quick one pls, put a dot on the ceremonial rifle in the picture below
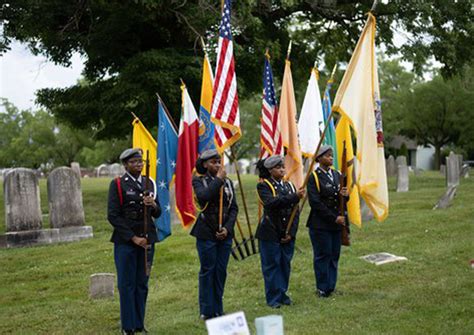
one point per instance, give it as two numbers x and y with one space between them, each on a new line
342 199
145 211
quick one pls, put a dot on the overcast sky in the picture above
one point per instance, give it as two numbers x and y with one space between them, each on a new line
22 74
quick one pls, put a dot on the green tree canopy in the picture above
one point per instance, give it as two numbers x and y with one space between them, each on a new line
133 49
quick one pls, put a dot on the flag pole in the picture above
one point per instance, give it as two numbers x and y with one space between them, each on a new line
333 71
167 111
289 50
372 9
244 202
308 173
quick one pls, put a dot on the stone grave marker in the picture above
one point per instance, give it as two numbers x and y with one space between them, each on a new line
366 213
402 178
382 258
452 170
116 170
460 161
465 171
103 170
391 166
401 160
65 198
447 198
101 285
76 167
22 200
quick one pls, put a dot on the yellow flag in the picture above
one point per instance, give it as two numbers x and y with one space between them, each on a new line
343 136
358 99
142 139
289 130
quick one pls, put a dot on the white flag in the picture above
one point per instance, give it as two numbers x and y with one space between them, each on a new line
311 121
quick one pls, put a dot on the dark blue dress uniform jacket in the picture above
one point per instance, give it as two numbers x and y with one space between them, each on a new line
127 219
277 210
325 202
206 189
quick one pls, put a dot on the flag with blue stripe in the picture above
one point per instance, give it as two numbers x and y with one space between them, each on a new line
330 137
165 166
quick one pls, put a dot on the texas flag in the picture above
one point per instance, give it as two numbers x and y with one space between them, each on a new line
186 160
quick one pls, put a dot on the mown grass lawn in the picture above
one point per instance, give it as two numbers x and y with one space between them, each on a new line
44 290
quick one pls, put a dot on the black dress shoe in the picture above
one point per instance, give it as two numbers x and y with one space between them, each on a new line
128 332
141 330
323 294
205 317
287 302
277 305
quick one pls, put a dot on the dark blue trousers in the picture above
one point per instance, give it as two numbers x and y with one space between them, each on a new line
326 252
132 283
214 257
276 258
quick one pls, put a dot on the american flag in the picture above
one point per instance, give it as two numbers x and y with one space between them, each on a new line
270 138
225 101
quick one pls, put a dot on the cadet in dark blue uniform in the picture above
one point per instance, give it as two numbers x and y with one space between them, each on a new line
276 249
324 222
213 246
125 213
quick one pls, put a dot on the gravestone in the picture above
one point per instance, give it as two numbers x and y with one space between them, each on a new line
23 213
116 170
401 160
253 167
452 170
391 166
76 168
103 170
460 161
402 178
465 171
230 168
22 200
442 169
382 258
447 198
269 325
65 198
101 285
366 213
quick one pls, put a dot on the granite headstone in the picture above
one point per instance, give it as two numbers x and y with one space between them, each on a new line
22 200
452 169
65 198
402 178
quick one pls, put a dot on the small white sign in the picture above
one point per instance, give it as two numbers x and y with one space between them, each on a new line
231 324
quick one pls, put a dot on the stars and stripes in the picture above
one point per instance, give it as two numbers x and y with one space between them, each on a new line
225 101
270 137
